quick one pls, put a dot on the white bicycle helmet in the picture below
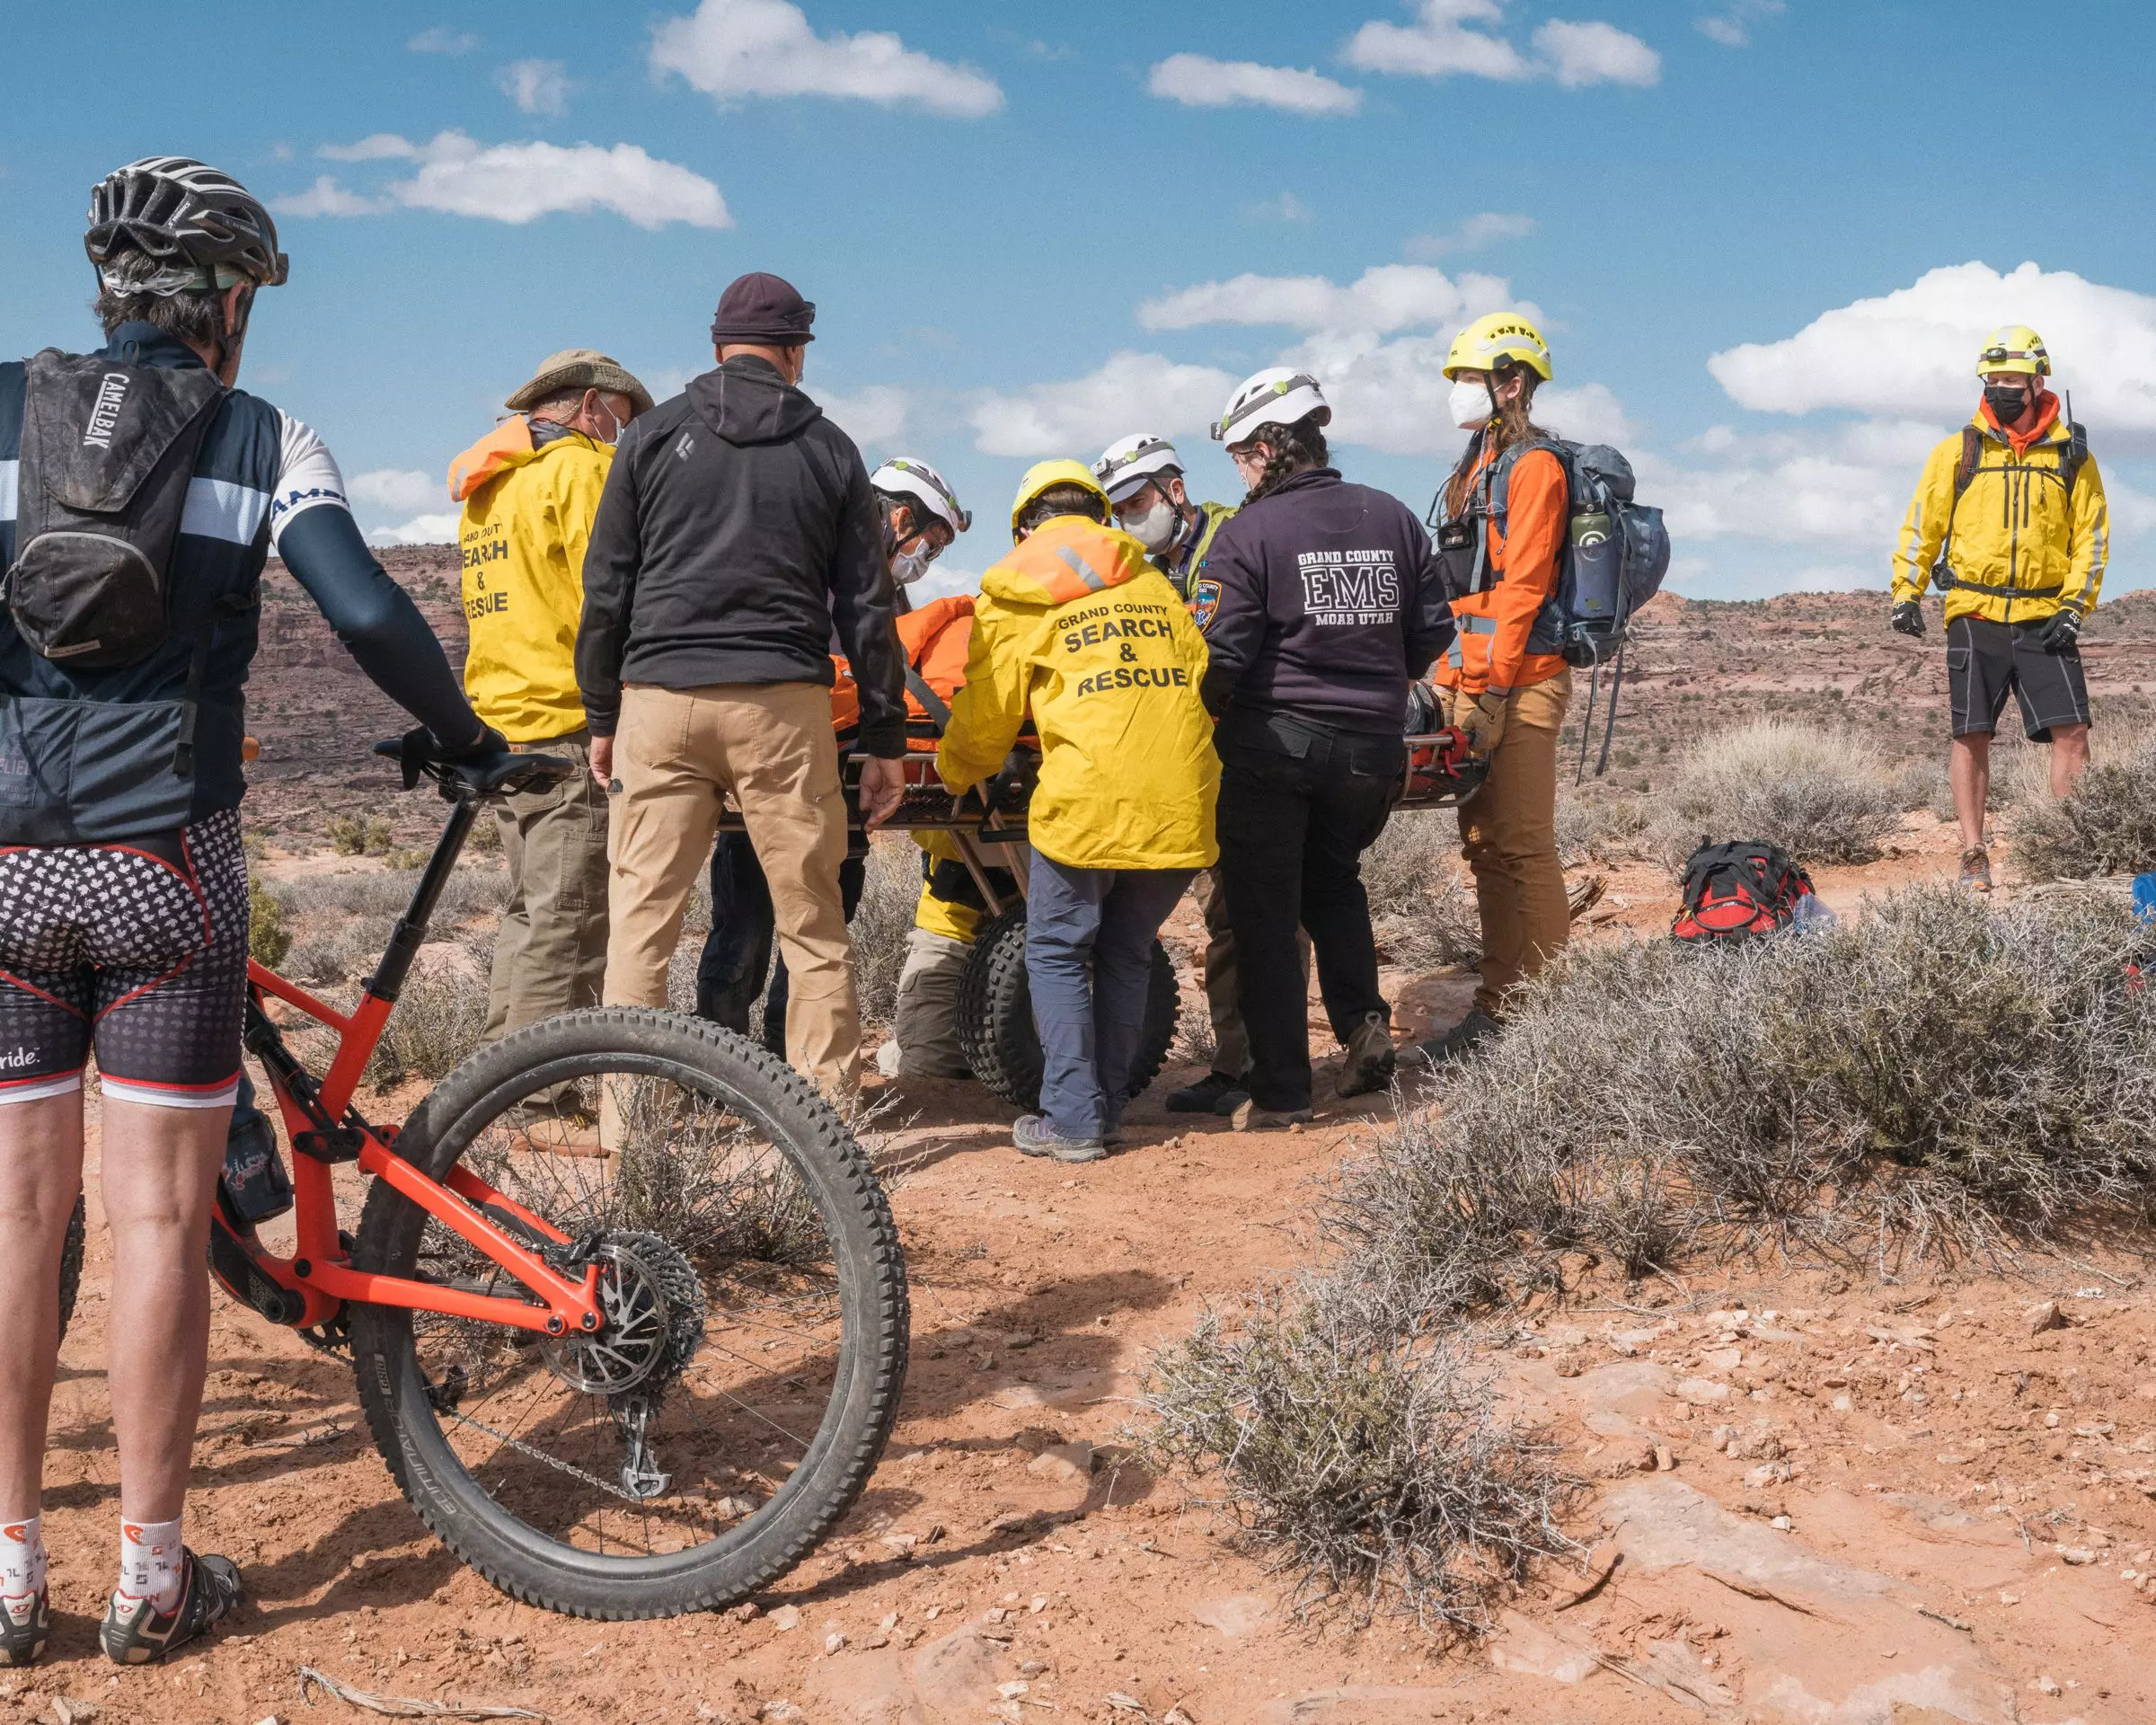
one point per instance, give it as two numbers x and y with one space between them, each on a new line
204 226
1127 463
903 476
1278 395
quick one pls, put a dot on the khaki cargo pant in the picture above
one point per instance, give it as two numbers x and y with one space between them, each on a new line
550 955
770 745
925 1028
1230 1043
1508 835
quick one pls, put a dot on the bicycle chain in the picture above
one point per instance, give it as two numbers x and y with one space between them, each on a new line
523 1448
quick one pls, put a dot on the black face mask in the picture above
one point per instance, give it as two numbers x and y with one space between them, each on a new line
2007 402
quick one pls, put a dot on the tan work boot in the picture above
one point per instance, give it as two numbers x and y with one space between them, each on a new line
1251 1118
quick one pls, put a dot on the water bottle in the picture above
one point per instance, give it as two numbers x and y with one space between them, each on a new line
1813 915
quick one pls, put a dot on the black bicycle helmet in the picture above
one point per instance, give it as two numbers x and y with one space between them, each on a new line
183 213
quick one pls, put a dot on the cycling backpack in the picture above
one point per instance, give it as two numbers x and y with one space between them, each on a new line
1737 891
108 452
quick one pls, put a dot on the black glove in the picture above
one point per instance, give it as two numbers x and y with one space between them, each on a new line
2062 634
1908 617
490 743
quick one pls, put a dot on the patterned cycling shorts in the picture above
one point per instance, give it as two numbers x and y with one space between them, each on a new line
139 947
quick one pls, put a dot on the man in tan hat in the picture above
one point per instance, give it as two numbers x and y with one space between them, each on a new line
529 490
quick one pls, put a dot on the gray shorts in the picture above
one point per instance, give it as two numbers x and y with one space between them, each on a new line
1987 660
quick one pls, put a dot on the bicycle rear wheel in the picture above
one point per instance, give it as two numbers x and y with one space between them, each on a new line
735 1403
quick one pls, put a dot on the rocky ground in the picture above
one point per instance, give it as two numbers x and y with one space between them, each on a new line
1830 1498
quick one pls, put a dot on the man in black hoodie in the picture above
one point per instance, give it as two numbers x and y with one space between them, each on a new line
736 535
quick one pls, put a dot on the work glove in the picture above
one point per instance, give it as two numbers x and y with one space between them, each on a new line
2062 634
1483 720
1908 618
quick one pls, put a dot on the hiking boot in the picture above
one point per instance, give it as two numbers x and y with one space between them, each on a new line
135 1631
1214 1093
1371 1057
1975 871
1251 1118
1034 1137
1477 1026
23 1620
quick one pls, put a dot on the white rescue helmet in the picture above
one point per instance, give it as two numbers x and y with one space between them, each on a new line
1128 463
904 476
1278 395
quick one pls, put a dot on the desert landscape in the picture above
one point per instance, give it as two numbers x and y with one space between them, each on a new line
1814 1477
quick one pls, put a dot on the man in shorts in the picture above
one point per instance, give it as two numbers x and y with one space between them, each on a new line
2008 522
123 888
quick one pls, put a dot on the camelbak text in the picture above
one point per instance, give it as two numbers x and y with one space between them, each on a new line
104 413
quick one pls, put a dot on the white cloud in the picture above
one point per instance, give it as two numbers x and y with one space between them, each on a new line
520 183
1477 232
326 196
1079 415
1912 352
1388 297
420 530
395 489
731 48
442 40
874 417
1198 81
1732 27
1285 208
536 86
1597 53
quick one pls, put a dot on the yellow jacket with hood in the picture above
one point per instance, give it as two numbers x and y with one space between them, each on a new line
1076 629
527 513
2017 545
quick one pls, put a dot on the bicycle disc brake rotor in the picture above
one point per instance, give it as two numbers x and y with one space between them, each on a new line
648 1295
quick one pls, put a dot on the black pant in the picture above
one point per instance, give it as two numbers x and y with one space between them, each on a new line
1299 804
737 951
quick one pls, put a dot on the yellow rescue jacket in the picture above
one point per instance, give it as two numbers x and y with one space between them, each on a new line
1076 628
2012 545
527 520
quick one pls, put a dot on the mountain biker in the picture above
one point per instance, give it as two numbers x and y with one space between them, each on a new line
528 491
2010 520
1330 607
1142 475
1504 682
123 888
1077 629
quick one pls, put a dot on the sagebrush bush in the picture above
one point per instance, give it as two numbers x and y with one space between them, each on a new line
269 932
881 925
1375 1465
1421 913
1596 828
439 1018
1824 794
2108 825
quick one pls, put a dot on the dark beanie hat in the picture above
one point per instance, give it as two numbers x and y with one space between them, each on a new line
764 310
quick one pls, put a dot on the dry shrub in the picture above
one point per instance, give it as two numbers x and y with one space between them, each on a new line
1375 1465
1596 828
888 894
438 1019
1195 1044
1825 795
269 929
2107 826
1938 1078
1421 914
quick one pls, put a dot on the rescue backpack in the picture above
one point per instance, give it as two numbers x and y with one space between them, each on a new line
1615 557
1738 890
108 452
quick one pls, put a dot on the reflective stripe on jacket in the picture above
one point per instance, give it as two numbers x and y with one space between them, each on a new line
1499 646
2016 546
1077 629
527 515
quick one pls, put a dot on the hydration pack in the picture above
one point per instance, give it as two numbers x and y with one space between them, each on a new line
108 452
1615 555
1737 891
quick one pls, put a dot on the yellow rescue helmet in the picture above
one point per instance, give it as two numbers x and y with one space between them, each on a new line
1042 475
1500 338
2014 347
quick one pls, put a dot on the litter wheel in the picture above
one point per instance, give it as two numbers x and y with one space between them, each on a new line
995 1014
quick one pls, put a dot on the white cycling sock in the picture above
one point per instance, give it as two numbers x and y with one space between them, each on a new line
22 1557
150 1563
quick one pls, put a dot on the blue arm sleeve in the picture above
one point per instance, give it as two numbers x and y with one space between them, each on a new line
377 623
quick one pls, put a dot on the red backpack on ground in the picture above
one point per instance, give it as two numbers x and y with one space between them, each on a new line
1737 891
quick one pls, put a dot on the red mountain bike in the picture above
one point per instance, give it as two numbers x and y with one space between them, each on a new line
624 1301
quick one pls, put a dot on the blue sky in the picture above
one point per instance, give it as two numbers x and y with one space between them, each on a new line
1764 238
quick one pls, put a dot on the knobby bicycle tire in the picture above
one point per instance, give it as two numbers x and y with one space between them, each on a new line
868 1265
997 1032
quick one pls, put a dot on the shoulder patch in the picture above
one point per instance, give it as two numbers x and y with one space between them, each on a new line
1205 600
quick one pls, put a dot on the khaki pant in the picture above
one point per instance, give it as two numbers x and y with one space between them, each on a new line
1231 1043
925 1028
550 955
771 746
1508 835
